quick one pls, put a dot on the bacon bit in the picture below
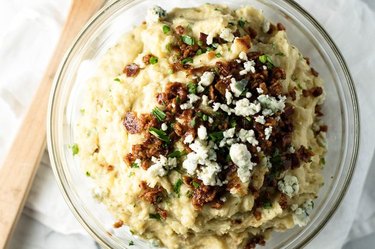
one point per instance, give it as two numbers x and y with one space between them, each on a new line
132 124
110 167
280 26
203 194
198 70
263 86
314 72
131 70
237 221
118 224
129 159
180 30
245 42
179 129
257 214
222 85
252 32
147 121
278 73
176 89
307 59
316 91
318 111
211 93
146 59
323 128
203 37
145 164
151 195
223 68
304 154
163 213
292 94
272 29
283 201
254 241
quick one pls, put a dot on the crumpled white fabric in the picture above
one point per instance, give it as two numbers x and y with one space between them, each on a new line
29 31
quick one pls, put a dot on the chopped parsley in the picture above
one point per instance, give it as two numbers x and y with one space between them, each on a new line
187 60
199 52
154 60
265 59
188 40
159 114
166 29
218 55
196 184
177 187
241 23
159 134
154 216
88 173
134 165
117 79
177 154
216 136
75 149
204 117
192 88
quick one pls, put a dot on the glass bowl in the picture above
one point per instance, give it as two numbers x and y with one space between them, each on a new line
102 32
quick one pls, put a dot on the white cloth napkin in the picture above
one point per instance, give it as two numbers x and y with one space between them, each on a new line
30 29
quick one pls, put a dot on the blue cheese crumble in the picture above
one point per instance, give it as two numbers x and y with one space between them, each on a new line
242 158
289 185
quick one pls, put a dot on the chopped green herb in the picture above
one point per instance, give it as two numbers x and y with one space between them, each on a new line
200 43
218 55
117 79
267 205
154 216
134 165
241 23
233 123
199 114
177 154
276 158
204 117
170 71
265 59
299 85
280 54
248 119
322 161
187 60
131 243
196 184
75 149
192 87
166 29
189 194
154 60
188 40
177 187
199 52
88 173
82 111
192 122
216 136
159 134
215 45
159 114
210 49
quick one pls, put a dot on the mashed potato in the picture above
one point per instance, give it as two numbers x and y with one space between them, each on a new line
201 129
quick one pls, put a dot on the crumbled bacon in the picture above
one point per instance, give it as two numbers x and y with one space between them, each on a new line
151 195
118 224
131 70
280 26
203 37
283 201
304 154
132 124
146 59
180 30
203 194
314 72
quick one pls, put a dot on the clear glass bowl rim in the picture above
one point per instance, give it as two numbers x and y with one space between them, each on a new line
292 4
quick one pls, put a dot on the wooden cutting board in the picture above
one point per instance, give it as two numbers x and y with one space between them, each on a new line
20 165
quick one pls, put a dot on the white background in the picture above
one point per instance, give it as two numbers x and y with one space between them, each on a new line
29 32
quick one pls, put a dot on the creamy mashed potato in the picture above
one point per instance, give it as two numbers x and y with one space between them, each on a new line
238 216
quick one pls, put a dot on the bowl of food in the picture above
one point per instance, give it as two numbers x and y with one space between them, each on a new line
230 124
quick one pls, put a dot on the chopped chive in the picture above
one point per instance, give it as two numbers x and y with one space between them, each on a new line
188 40
280 54
178 99
216 136
159 114
215 45
265 59
200 43
159 134
88 173
117 79
134 165
192 122
166 29
322 161
154 216
267 205
168 47
241 23
154 60
187 60
199 52
196 184
218 55
177 154
210 49
192 88
75 149
248 119
233 123
204 117
177 187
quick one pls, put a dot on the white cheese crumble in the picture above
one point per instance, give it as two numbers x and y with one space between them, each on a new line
248 67
228 97
233 87
226 109
164 126
268 132
229 133
248 95
245 108
204 100
248 136
161 166
216 106
289 185
301 214
227 35
210 120
270 104
188 139
210 39
243 56
202 133
193 98
264 67
206 79
186 106
155 14
242 158
260 119
259 90
208 174
266 26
